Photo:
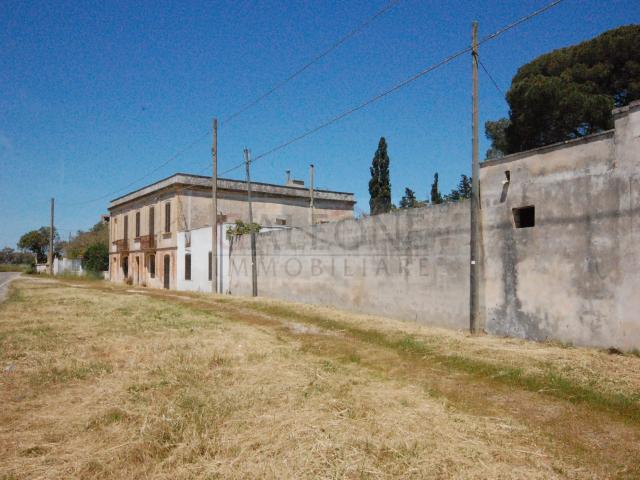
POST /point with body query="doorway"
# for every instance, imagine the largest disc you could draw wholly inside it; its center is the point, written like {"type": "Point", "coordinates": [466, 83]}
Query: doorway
{"type": "Point", "coordinates": [125, 267]}
{"type": "Point", "coordinates": [167, 271]}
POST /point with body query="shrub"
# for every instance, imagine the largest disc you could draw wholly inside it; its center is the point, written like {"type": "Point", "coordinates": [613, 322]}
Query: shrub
{"type": "Point", "coordinates": [96, 258]}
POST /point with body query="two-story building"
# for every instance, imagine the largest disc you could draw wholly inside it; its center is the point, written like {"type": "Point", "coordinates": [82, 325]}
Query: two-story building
{"type": "Point", "coordinates": [156, 231]}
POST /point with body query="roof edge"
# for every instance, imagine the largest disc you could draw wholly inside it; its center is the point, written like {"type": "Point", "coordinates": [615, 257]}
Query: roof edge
{"type": "Point", "coordinates": [548, 148]}
{"type": "Point", "coordinates": [122, 198]}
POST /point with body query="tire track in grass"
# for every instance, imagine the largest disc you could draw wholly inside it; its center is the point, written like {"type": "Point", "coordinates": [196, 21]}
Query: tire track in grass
{"type": "Point", "coordinates": [594, 428]}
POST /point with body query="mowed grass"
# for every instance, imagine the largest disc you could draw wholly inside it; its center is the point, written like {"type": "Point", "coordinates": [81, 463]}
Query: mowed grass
{"type": "Point", "coordinates": [105, 382]}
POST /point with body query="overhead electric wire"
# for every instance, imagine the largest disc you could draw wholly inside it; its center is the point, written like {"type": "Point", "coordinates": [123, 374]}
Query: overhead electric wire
{"type": "Point", "coordinates": [146, 175]}
{"type": "Point", "coordinates": [314, 60]}
{"type": "Point", "coordinates": [226, 120]}
{"type": "Point", "coordinates": [495, 84]}
{"type": "Point", "coordinates": [398, 86]}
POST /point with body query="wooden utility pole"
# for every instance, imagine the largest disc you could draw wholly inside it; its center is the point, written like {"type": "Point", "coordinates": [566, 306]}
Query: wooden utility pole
{"type": "Point", "coordinates": [254, 266]}
{"type": "Point", "coordinates": [50, 255]}
{"type": "Point", "coordinates": [474, 307]}
{"type": "Point", "coordinates": [311, 171]}
{"type": "Point", "coordinates": [214, 205]}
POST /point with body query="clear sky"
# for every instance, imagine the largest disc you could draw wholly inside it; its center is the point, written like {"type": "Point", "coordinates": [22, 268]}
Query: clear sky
{"type": "Point", "coordinates": [96, 94]}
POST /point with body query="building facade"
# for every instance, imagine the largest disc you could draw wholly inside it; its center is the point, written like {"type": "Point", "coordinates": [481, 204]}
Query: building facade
{"type": "Point", "coordinates": [146, 225]}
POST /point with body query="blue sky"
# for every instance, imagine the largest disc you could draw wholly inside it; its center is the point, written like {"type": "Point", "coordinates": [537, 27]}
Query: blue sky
{"type": "Point", "coordinates": [96, 94]}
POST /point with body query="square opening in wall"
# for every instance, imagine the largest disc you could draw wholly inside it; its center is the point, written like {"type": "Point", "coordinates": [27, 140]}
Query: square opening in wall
{"type": "Point", "coordinates": [524, 217]}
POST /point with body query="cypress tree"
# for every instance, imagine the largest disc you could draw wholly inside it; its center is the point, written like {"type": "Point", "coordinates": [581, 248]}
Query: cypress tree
{"type": "Point", "coordinates": [436, 196]}
{"type": "Point", "coordinates": [380, 185]}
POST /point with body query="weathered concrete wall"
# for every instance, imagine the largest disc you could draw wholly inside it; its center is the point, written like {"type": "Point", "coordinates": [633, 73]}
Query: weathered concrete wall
{"type": "Point", "coordinates": [410, 264]}
{"type": "Point", "coordinates": [573, 276]}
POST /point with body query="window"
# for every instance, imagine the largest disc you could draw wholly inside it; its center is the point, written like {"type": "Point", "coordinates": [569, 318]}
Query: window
{"type": "Point", "coordinates": [210, 267]}
{"type": "Point", "coordinates": [152, 266]}
{"type": "Point", "coordinates": [187, 266]}
{"type": "Point", "coordinates": [152, 221]}
{"type": "Point", "coordinates": [524, 217]}
{"type": "Point", "coordinates": [126, 227]}
{"type": "Point", "coordinates": [167, 217]}
{"type": "Point", "coordinates": [137, 224]}
{"type": "Point", "coordinates": [281, 221]}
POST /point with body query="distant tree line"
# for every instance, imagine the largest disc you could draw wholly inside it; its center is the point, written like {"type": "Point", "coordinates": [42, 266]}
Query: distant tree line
{"type": "Point", "coordinates": [9, 256]}
{"type": "Point", "coordinates": [91, 246]}
{"type": "Point", "coordinates": [380, 187]}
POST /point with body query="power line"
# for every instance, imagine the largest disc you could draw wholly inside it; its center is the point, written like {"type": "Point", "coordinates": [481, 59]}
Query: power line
{"type": "Point", "coordinates": [400, 85]}
{"type": "Point", "coordinates": [388, 6]}
{"type": "Point", "coordinates": [495, 84]}
{"type": "Point", "coordinates": [146, 175]}
{"type": "Point", "coordinates": [314, 60]}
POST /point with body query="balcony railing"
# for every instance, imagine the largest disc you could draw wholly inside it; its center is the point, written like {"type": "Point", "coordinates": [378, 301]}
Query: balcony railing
{"type": "Point", "coordinates": [122, 245]}
{"type": "Point", "coordinates": [148, 242]}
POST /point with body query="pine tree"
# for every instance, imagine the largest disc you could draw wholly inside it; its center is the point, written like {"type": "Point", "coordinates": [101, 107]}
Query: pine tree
{"type": "Point", "coordinates": [463, 191]}
{"type": "Point", "coordinates": [380, 185]}
{"type": "Point", "coordinates": [409, 200]}
{"type": "Point", "coordinates": [436, 196]}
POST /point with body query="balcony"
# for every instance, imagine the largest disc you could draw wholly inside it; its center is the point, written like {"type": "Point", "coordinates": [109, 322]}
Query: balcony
{"type": "Point", "coordinates": [148, 242]}
{"type": "Point", "coordinates": [122, 245]}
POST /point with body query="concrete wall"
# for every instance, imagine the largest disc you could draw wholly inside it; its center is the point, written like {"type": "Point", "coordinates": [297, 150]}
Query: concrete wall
{"type": "Point", "coordinates": [410, 264]}
{"type": "Point", "coordinates": [67, 265]}
{"type": "Point", "coordinates": [574, 276]}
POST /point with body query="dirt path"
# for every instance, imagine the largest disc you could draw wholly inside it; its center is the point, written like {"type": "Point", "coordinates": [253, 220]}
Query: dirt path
{"type": "Point", "coordinates": [257, 388]}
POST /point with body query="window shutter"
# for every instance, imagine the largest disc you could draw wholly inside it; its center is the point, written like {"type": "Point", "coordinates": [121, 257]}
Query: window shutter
{"type": "Point", "coordinates": [167, 217]}
{"type": "Point", "coordinates": [152, 221]}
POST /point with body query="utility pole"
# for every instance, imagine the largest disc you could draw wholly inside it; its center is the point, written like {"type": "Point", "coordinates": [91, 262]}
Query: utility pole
{"type": "Point", "coordinates": [254, 266]}
{"type": "Point", "coordinates": [214, 205]}
{"type": "Point", "coordinates": [474, 307]}
{"type": "Point", "coordinates": [50, 255]}
{"type": "Point", "coordinates": [311, 171]}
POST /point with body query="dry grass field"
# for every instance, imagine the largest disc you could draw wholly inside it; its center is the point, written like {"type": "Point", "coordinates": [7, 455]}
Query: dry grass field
{"type": "Point", "coordinates": [100, 381]}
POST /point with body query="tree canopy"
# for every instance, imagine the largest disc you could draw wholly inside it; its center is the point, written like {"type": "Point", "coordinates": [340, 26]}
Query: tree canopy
{"type": "Point", "coordinates": [409, 199]}
{"type": "Point", "coordinates": [570, 92]}
{"type": "Point", "coordinates": [380, 184]}
{"type": "Point", "coordinates": [37, 241]}
{"type": "Point", "coordinates": [95, 258]}
{"type": "Point", "coordinates": [77, 246]}
{"type": "Point", "coordinates": [463, 190]}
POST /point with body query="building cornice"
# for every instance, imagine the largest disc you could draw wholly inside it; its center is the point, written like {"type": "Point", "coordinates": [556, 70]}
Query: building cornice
{"type": "Point", "coordinates": [201, 182]}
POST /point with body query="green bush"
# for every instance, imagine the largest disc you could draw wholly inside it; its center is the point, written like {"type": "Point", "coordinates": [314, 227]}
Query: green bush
{"type": "Point", "coordinates": [96, 258]}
